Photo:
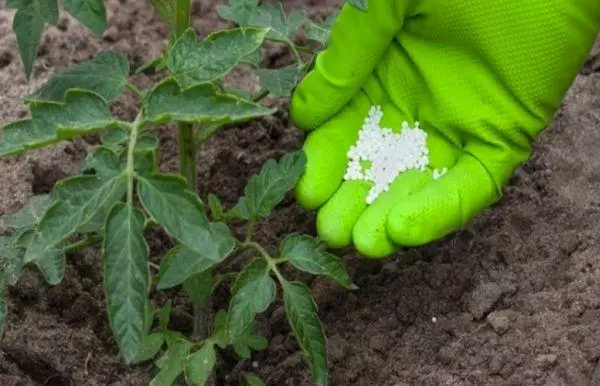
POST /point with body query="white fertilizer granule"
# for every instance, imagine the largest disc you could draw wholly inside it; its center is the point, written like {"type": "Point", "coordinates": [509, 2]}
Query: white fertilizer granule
{"type": "Point", "coordinates": [380, 155]}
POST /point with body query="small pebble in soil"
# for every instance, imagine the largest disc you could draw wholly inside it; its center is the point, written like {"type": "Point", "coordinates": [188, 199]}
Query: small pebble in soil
{"type": "Point", "coordinates": [434, 319]}
{"type": "Point", "coordinates": [380, 154]}
{"type": "Point", "coordinates": [255, 364]}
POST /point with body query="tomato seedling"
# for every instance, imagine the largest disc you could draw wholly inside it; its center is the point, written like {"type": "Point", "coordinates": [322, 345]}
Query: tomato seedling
{"type": "Point", "coordinates": [119, 193]}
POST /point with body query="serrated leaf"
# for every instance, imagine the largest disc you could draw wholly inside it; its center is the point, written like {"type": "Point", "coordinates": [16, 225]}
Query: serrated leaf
{"type": "Point", "coordinates": [103, 162]}
{"type": "Point", "coordinates": [306, 254]}
{"type": "Point", "coordinates": [268, 188]}
{"type": "Point", "coordinates": [320, 33]}
{"type": "Point", "coordinates": [172, 363]}
{"type": "Point", "coordinates": [126, 277]}
{"type": "Point", "coordinates": [151, 345]}
{"type": "Point", "coordinates": [252, 380]}
{"type": "Point", "coordinates": [199, 365]}
{"type": "Point", "coordinates": [105, 75]}
{"type": "Point", "coordinates": [28, 26]}
{"type": "Point", "coordinates": [90, 13]}
{"type": "Point", "coordinates": [185, 263]}
{"type": "Point", "coordinates": [252, 293]}
{"type": "Point", "coordinates": [167, 199]}
{"type": "Point", "coordinates": [192, 63]}
{"type": "Point", "coordinates": [199, 287]}
{"type": "Point", "coordinates": [3, 312]}
{"type": "Point", "coordinates": [78, 200]}
{"type": "Point", "coordinates": [279, 82]}
{"type": "Point", "coordinates": [201, 104]}
{"type": "Point", "coordinates": [359, 4]}
{"type": "Point", "coordinates": [301, 312]}
{"type": "Point", "coordinates": [82, 113]}
{"type": "Point", "coordinates": [237, 11]}
{"type": "Point", "coordinates": [28, 216]}
{"type": "Point", "coordinates": [281, 27]}
{"type": "Point", "coordinates": [52, 265]}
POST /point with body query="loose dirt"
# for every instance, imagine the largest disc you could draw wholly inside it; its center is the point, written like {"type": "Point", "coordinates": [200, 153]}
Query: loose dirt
{"type": "Point", "coordinates": [512, 299]}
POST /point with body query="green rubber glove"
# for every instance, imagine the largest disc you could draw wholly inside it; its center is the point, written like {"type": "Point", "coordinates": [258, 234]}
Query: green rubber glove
{"type": "Point", "coordinates": [483, 78]}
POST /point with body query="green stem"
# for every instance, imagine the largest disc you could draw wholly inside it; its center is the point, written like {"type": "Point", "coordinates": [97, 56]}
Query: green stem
{"type": "Point", "coordinates": [136, 91]}
{"type": "Point", "coordinates": [187, 154]}
{"type": "Point", "coordinates": [250, 231]}
{"type": "Point", "coordinates": [272, 262]}
{"type": "Point", "coordinates": [296, 53]}
{"type": "Point", "coordinates": [262, 94]}
{"type": "Point", "coordinates": [183, 16]}
{"type": "Point", "coordinates": [82, 244]}
{"type": "Point", "coordinates": [137, 125]}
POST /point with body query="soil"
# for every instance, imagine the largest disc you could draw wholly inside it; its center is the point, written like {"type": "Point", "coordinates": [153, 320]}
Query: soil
{"type": "Point", "coordinates": [512, 299]}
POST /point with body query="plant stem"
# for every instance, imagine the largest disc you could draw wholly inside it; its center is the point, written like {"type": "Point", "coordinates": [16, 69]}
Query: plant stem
{"type": "Point", "coordinates": [187, 154]}
{"type": "Point", "coordinates": [183, 16]}
{"type": "Point", "coordinates": [79, 245]}
{"type": "Point", "coordinates": [261, 94]}
{"type": "Point", "coordinates": [137, 124]}
{"type": "Point", "coordinates": [271, 261]}
{"type": "Point", "coordinates": [136, 91]}
{"type": "Point", "coordinates": [250, 231]}
{"type": "Point", "coordinates": [296, 54]}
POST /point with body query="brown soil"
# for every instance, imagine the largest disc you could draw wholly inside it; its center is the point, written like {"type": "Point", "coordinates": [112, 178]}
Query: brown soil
{"type": "Point", "coordinates": [513, 299]}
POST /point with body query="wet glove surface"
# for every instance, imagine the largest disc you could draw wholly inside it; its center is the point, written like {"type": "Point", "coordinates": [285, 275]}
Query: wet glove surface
{"type": "Point", "coordinates": [482, 77]}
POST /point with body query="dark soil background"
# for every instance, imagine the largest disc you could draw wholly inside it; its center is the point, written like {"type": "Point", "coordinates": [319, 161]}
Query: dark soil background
{"type": "Point", "coordinates": [513, 299]}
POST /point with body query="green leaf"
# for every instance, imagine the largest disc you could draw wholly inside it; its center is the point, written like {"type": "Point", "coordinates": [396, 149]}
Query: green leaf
{"type": "Point", "coordinates": [192, 63]}
{"type": "Point", "coordinates": [238, 11]}
{"type": "Point", "coordinates": [254, 59]}
{"type": "Point", "coordinates": [216, 208]}
{"type": "Point", "coordinates": [115, 137]}
{"type": "Point", "coordinates": [164, 314]}
{"type": "Point", "coordinates": [145, 143]}
{"type": "Point", "coordinates": [52, 265]}
{"type": "Point", "coordinates": [185, 263]}
{"type": "Point", "coordinates": [167, 199]}
{"type": "Point", "coordinates": [306, 254]}
{"type": "Point", "coordinates": [126, 277]}
{"type": "Point", "coordinates": [172, 363]}
{"type": "Point", "coordinates": [252, 380]}
{"type": "Point", "coordinates": [252, 293]}
{"type": "Point", "coordinates": [28, 216]}
{"type": "Point", "coordinates": [199, 365]}
{"type": "Point", "coordinates": [199, 287]}
{"type": "Point", "coordinates": [301, 312]}
{"type": "Point", "coordinates": [281, 27]}
{"type": "Point", "coordinates": [150, 347]}
{"type": "Point", "coordinates": [321, 33]}
{"type": "Point", "coordinates": [220, 329]}
{"type": "Point", "coordinates": [3, 312]}
{"type": "Point", "coordinates": [28, 25]}
{"type": "Point", "coordinates": [279, 82]}
{"type": "Point", "coordinates": [11, 262]}
{"type": "Point", "coordinates": [359, 4]}
{"type": "Point", "coordinates": [78, 200]}
{"type": "Point", "coordinates": [90, 13]}
{"type": "Point", "coordinates": [201, 104]}
{"type": "Point", "coordinates": [82, 113]}
{"type": "Point", "coordinates": [267, 189]}
{"type": "Point", "coordinates": [243, 343]}
{"type": "Point", "coordinates": [166, 10]}
{"type": "Point", "coordinates": [103, 162]}
{"type": "Point", "coordinates": [105, 75]}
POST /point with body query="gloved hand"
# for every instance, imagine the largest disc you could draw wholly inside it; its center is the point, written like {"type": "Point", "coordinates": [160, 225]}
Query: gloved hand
{"type": "Point", "coordinates": [483, 78]}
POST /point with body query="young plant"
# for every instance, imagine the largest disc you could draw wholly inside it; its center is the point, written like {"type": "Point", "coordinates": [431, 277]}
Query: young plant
{"type": "Point", "coordinates": [119, 193]}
